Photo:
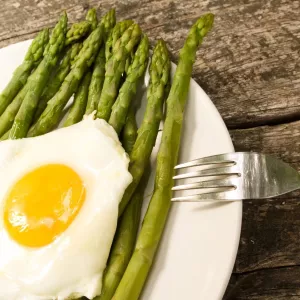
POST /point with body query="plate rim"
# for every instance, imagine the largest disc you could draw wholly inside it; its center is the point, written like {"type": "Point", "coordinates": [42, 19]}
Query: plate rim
{"type": "Point", "coordinates": [239, 204]}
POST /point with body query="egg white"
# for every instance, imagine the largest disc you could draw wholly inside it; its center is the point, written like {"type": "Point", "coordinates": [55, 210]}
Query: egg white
{"type": "Point", "coordinates": [73, 264]}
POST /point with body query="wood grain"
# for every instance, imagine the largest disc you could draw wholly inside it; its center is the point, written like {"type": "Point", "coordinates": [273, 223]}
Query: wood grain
{"type": "Point", "coordinates": [282, 141]}
{"type": "Point", "coordinates": [278, 284]}
{"type": "Point", "coordinates": [271, 228]}
{"type": "Point", "coordinates": [249, 64]}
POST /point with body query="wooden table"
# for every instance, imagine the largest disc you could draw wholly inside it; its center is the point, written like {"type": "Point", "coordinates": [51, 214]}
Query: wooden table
{"type": "Point", "coordinates": [250, 68]}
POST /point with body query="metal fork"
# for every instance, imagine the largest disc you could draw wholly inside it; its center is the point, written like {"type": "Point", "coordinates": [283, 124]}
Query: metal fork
{"type": "Point", "coordinates": [237, 176]}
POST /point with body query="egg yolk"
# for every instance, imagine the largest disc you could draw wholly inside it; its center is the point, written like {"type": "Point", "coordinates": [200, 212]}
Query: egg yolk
{"type": "Point", "coordinates": [43, 204]}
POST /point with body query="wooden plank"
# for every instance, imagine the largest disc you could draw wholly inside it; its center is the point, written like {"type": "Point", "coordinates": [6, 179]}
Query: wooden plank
{"type": "Point", "coordinates": [267, 265]}
{"type": "Point", "coordinates": [281, 140]}
{"type": "Point", "coordinates": [270, 230]}
{"type": "Point", "coordinates": [270, 234]}
{"type": "Point", "coordinates": [249, 64]}
{"type": "Point", "coordinates": [272, 284]}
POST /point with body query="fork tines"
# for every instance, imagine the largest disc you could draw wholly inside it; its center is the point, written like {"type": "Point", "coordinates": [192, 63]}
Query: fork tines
{"type": "Point", "coordinates": [219, 177]}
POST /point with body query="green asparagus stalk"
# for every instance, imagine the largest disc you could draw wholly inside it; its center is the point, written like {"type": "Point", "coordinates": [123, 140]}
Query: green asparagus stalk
{"type": "Point", "coordinates": [5, 136]}
{"type": "Point", "coordinates": [91, 17]}
{"type": "Point", "coordinates": [39, 80]}
{"type": "Point", "coordinates": [98, 76]}
{"type": "Point", "coordinates": [80, 100]}
{"type": "Point", "coordinates": [96, 84]}
{"type": "Point", "coordinates": [140, 263]}
{"type": "Point", "coordinates": [8, 117]}
{"type": "Point", "coordinates": [77, 32]}
{"type": "Point", "coordinates": [64, 67]}
{"type": "Point", "coordinates": [114, 69]}
{"type": "Point", "coordinates": [147, 133]}
{"type": "Point", "coordinates": [108, 21]}
{"type": "Point", "coordinates": [124, 243]}
{"type": "Point", "coordinates": [126, 232]}
{"type": "Point", "coordinates": [129, 133]}
{"type": "Point", "coordinates": [128, 90]}
{"type": "Point", "coordinates": [57, 79]}
{"type": "Point", "coordinates": [51, 115]}
{"type": "Point", "coordinates": [116, 33]}
{"type": "Point", "coordinates": [129, 61]}
{"type": "Point", "coordinates": [32, 58]}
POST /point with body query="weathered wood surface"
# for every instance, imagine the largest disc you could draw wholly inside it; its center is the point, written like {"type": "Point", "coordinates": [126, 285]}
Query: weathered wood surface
{"type": "Point", "coordinates": [250, 67]}
{"type": "Point", "coordinates": [271, 228]}
{"type": "Point", "coordinates": [266, 284]}
{"type": "Point", "coordinates": [267, 265]}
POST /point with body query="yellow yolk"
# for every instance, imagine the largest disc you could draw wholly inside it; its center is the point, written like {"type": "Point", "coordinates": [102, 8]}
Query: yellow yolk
{"type": "Point", "coordinates": [43, 204]}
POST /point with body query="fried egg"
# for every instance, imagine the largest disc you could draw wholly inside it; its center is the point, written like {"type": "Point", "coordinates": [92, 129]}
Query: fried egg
{"type": "Point", "coordinates": [59, 200]}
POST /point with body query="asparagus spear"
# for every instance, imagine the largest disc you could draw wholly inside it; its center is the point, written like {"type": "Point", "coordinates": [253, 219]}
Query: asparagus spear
{"type": "Point", "coordinates": [108, 21]}
{"type": "Point", "coordinates": [129, 61]}
{"type": "Point", "coordinates": [91, 17]}
{"type": "Point", "coordinates": [124, 243]}
{"type": "Point", "coordinates": [32, 58]}
{"type": "Point", "coordinates": [97, 80]}
{"type": "Point", "coordinates": [51, 115]}
{"type": "Point", "coordinates": [96, 84]}
{"type": "Point", "coordinates": [114, 69]}
{"type": "Point", "coordinates": [155, 218]}
{"type": "Point", "coordinates": [128, 224]}
{"type": "Point", "coordinates": [129, 133]}
{"type": "Point", "coordinates": [5, 136]}
{"type": "Point", "coordinates": [80, 99]}
{"type": "Point", "coordinates": [8, 117]}
{"type": "Point", "coordinates": [86, 27]}
{"type": "Point", "coordinates": [116, 33]}
{"type": "Point", "coordinates": [57, 78]}
{"type": "Point", "coordinates": [77, 32]}
{"type": "Point", "coordinates": [39, 80]}
{"type": "Point", "coordinates": [128, 90]}
{"type": "Point", "coordinates": [147, 133]}
{"type": "Point", "coordinates": [65, 66]}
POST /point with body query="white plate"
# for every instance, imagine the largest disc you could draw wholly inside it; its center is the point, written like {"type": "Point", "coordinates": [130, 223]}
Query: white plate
{"type": "Point", "coordinates": [199, 245]}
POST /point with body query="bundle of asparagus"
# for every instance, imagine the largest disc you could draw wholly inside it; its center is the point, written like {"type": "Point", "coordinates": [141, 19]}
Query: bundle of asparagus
{"type": "Point", "coordinates": [154, 221]}
{"type": "Point", "coordinates": [102, 64]}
